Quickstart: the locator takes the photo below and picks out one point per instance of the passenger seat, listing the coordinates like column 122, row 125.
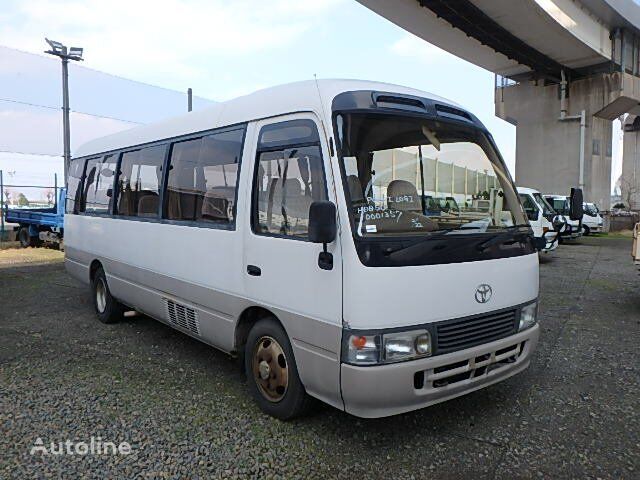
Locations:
column 148, row 204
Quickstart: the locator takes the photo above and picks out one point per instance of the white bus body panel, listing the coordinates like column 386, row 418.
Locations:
column 403, row 296
column 148, row 262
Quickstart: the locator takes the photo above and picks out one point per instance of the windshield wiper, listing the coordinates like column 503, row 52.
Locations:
column 499, row 236
column 441, row 233
column 431, row 236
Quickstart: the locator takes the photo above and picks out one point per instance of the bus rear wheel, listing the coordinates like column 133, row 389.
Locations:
column 108, row 309
column 272, row 373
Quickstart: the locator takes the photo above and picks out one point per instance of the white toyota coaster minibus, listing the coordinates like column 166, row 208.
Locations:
column 292, row 228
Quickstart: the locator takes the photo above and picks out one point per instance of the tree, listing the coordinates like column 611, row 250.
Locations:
column 49, row 194
column 8, row 195
column 628, row 191
column 22, row 200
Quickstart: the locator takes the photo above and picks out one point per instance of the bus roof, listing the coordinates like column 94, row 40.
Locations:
column 269, row 102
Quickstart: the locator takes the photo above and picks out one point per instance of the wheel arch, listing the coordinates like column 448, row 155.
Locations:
column 93, row 268
column 247, row 319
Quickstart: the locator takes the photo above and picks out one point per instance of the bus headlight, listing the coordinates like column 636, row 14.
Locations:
column 406, row 345
column 386, row 347
column 528, row 315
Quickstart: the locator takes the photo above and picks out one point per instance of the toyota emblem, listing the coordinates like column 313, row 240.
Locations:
column 483, row 293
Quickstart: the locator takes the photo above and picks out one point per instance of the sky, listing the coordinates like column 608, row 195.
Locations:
column 220, row 48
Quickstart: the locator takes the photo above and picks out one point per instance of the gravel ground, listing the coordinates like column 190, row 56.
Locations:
column 185, row 411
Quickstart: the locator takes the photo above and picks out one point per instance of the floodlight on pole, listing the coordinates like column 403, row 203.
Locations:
column 65, row 54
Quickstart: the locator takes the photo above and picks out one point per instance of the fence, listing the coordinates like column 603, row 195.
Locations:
column 7, row 199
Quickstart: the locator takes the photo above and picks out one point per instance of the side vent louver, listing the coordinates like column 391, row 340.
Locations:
column 182, row 316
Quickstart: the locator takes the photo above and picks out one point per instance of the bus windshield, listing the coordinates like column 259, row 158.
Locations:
column 411, row 176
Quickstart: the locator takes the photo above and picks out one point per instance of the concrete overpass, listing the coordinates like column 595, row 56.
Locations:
column 564, row 70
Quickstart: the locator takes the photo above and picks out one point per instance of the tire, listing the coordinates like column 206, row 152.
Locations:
column 24, row 237
column 269, row 363
column 108, row 309
column 586, row 230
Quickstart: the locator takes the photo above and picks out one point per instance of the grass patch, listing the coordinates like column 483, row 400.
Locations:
column 12, row 257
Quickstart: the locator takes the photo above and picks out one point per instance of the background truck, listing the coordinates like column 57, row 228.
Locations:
column 39, row 225
column 591, row 220
column 562, row 205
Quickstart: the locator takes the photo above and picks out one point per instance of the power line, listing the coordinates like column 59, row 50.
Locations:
column 37, row 105
column 113, row 75
column 31, row 153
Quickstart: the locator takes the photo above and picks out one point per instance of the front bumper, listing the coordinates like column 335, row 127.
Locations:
column 572, row 232
column 380, row 391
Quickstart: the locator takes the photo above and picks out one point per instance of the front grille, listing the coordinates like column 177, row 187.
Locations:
column 461, row 333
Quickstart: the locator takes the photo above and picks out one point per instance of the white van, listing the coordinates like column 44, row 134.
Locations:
column 547, row 225
column 562, row 205
column 591, row 220
column 285, row 227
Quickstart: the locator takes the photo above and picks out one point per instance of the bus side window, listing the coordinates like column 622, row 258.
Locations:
column 288, row 182
column 139, row 180
column 287, row 179
column 98, row 185
column 203, row 178
column 74, row 187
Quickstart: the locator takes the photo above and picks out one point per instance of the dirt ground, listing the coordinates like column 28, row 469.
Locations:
column 184, row 408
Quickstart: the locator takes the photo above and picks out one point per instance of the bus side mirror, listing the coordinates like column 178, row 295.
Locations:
column 323, row 229
column 576, row 208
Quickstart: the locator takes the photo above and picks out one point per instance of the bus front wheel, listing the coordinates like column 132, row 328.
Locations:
column 272, row 374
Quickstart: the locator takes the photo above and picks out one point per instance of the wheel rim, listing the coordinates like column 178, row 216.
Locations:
column 101, row 295
column 270, row 369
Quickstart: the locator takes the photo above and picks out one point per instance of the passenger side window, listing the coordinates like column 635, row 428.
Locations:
column 74, row 186
column 287, row 181
column 98, row 184
column 139, row 181
column 203, row 178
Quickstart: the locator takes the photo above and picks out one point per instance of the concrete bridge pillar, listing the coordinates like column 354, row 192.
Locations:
column 629, row 181
column 559, row 144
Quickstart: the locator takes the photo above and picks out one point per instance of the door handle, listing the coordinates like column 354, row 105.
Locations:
column 254, row 271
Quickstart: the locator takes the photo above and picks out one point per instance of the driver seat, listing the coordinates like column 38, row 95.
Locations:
column 403, row 196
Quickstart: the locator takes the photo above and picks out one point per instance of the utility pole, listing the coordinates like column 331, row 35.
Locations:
column 189, row 99
column 65, row 54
